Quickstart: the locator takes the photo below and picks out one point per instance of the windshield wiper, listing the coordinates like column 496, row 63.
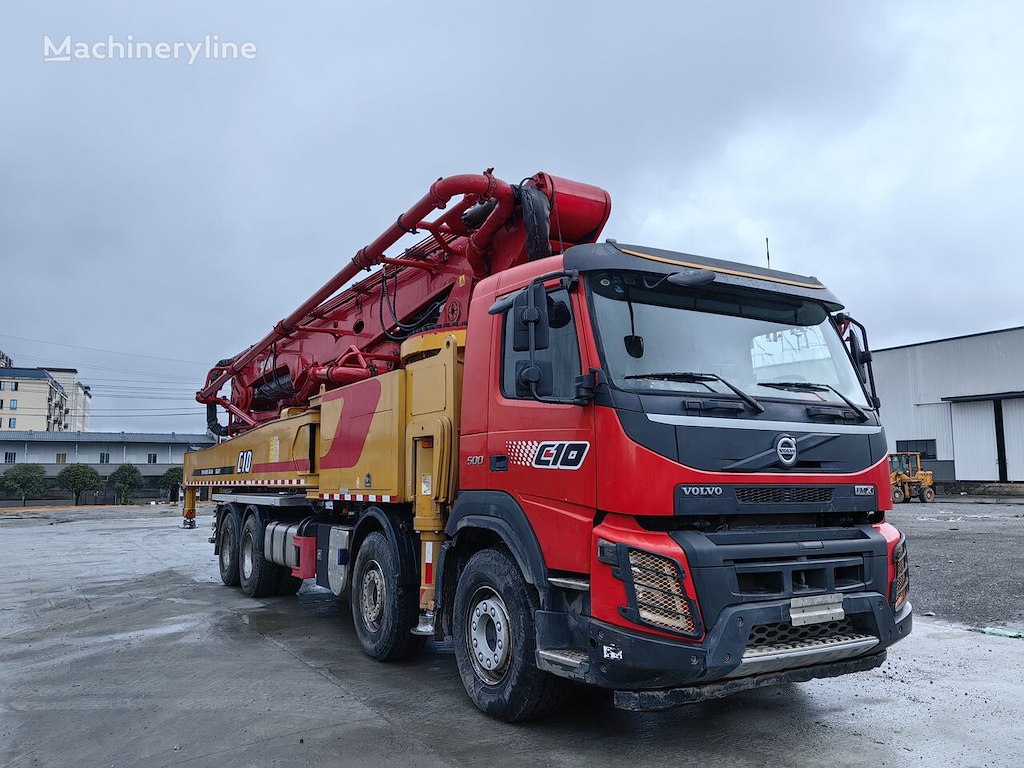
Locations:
column 807, row 386
column 694, row 378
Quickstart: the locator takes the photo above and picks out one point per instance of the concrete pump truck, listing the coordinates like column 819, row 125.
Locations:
column 583, row 461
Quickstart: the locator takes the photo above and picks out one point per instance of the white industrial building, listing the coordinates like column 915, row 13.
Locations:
column 959, row 402
column 152, row 453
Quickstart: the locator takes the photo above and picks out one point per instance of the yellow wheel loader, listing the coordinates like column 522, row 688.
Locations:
column 908, row 480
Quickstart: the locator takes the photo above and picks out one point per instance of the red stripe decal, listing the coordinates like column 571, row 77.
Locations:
column 360, row 403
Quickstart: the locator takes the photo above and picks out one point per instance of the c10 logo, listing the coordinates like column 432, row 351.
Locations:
column 561, row 455
column 244, row 462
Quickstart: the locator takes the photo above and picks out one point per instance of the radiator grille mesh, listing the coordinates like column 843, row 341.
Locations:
column 770, row 495
column 901, row 580
column 660, row 599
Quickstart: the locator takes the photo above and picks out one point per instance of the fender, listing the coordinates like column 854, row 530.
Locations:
column 499, row 512
column 399, row 535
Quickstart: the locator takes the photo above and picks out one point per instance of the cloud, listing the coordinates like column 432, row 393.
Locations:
column 159, row 208
column 905, row 210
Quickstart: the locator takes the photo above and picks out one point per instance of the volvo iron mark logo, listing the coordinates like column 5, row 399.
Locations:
column 785, row 448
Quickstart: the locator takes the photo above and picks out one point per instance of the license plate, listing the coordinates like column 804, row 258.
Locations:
column 815, row 609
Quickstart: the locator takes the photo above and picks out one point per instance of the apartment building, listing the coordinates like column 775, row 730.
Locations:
column 32, row 399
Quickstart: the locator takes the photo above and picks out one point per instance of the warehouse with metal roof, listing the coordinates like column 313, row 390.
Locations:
column 959, row 402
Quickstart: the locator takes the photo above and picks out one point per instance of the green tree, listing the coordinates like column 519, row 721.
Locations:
column 78, row 478
column 170, row 480
column 24, row 480
column 125, row 480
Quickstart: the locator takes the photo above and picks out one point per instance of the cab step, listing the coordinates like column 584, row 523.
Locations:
column 564, row 662
column 565, row 582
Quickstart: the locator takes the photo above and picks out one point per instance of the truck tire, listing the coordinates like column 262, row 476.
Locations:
column 927, row 494
column 897, row 495
column 228, row 545
column 382, row 613
column 258, row 575
column 495, row 641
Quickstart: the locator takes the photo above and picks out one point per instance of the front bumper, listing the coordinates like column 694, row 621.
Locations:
column 640, row 701
column 633, row 661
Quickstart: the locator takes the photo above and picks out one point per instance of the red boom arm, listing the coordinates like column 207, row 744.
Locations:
column 331, row 340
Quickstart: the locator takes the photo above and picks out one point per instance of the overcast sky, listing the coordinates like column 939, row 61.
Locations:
column 176, row 211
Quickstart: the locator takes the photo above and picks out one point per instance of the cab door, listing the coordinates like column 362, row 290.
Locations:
column 543, row 454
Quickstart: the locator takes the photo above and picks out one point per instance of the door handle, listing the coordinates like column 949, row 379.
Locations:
column 499, row 463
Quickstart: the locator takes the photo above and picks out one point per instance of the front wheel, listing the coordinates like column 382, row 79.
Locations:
column 897, row 495
column 495, row 641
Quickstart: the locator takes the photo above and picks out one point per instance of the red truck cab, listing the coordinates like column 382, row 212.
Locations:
column 687, row 463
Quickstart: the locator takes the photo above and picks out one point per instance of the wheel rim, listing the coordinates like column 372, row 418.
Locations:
column 227, row 543
column 488, row 636
column 374, row 596
column 248, row 556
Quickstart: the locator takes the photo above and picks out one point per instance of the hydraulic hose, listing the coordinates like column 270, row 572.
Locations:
column 211, row 421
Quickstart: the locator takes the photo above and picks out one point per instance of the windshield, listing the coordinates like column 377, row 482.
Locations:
column 658, row 337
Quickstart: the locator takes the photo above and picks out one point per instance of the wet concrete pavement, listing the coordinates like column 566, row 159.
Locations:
column 966, row 561
column 120, row 647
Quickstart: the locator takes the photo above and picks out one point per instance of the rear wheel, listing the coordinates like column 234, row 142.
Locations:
column 897, row 495
column 927, row 494
column 382, row 612
column 228, row 547
column 258, row 575
column 495, row 641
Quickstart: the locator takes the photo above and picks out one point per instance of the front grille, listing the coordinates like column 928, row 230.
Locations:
column 901, row 577
column 770, row 495
column 658, row 590
column 783, row 636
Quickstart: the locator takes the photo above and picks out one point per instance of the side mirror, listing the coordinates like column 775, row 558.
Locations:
column 502, row 304
column 530, row 309
column 559, row 314
column 634, row 345
column 857, row 353
column 689, row 278
column 533, row 378
column 861, row 354
column 585, row 386
column 686, row 278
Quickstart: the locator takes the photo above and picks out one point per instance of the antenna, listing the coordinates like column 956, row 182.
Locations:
column 767, row 253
